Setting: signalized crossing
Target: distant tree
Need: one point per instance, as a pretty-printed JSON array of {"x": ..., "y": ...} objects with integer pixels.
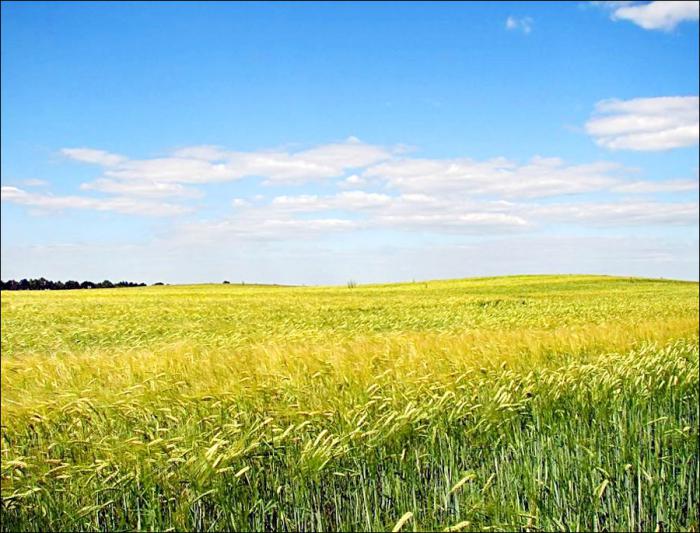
[
  {"x": 159, "y": 283},
  {"x": 43, "y": 284},
  {"x": 352, "y": 284},
  {"x": 227, "y": 282}
]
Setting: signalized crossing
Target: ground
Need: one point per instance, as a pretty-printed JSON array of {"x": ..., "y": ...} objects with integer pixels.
[{"x": 528, "y": 402}]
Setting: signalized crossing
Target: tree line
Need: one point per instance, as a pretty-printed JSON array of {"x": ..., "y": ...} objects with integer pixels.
[{"x": 43, "y": 284}]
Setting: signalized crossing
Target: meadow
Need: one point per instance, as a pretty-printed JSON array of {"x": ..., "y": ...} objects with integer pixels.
[{"x": 531, "y": 403}]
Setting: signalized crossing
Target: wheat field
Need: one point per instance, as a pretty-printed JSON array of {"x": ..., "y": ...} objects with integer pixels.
[{"x": 530, "y": 403}]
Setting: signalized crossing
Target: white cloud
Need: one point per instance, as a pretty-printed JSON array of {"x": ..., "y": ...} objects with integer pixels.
[
  {"x": 35, "y": 183},
  {"x": 203, "y": 152},
  {"x": 447, "y": 213},
  {"x": 252, "y": 224},
  {"x": 240, "y": 202},
  {"x": 619, "y": 214},
  {"x": 348, "y": 200},
  {"x": 172, "y": 169},
  {"x": 644, "y": 187},
  {"x": 96, "y": 157},
  {"x": 164, "y": 176},
  {"x": 209, "y": 164},
  {"x": 302, "y": 202},
  {"x": 288, "y": 218},
  {"x": 464, "y": 223},
  {"x": 352, "y": 182},
  {"x": 142, "y": 188},
  {"x": 523, "y": 24},
  {"x": 376, "y": 197},
  {"x": 540, "y": 177},
  {"x": 377, "y": 167},
  {"x": 46, "y": 202},
  {"x": 665, "y": 15},
  {"x": 376, "y": 188},
  {"x": 646, "y": 124},
  {"x": 406, "y": 211}
]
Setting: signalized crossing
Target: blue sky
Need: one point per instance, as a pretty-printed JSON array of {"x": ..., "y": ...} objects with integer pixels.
[{"x": 316, "y": 143}]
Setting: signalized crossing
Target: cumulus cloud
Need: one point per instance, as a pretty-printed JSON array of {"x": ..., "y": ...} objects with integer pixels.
[
  {"x": 380, "y": 188},
  {"x": 620, "y": 213},
  {"x": 644, "y": 187},
  {"x": 90, "y": 155},
  {"x": 349, "y": 200},
  {"x": 33, "y": 182},
  {"x": 523, "y": 24},
  {"x": 274, "y": 224},
  {"x": 144, "y": 188},
  {"x": 461, "y": 222},
  {"x": 353, "y": 190},
  {"x": 240, "y": 202},
  {"x": 540, "y": 177},
  {"x": 664, "y": 15},
  {"x": 168, "y": 176},
  {"x": 409, "y": 211},
  {"x": 259, "y": 225},
  {"x": 352, "y": 182},
  {"x": 646, "y": 124},
  {"x": 302, "y": 216},
  {"x": 210, "y": 164},
  {"x": 47, "y": 202}
]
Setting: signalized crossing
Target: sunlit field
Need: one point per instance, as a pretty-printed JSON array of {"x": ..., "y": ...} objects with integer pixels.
[{"x": 531, "y": 403}]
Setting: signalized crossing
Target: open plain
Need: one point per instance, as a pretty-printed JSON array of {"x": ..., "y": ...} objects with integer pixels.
[{"x": 528, "y": 402}]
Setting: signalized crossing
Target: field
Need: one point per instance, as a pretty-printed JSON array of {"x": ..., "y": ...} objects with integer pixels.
[{"x": 521, "y": 403}]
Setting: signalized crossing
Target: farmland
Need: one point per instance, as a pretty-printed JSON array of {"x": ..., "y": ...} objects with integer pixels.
[{"x": 529, "y": 402}]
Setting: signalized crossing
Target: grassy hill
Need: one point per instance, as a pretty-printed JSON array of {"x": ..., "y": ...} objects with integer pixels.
[{"x": 534, "y": 402}]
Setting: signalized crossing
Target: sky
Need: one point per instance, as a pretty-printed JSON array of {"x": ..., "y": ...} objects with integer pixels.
[{"x": 317, "y": 143}]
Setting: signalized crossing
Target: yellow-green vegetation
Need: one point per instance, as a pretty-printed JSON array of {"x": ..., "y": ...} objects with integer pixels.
[{"x": 531, "y": 402}]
